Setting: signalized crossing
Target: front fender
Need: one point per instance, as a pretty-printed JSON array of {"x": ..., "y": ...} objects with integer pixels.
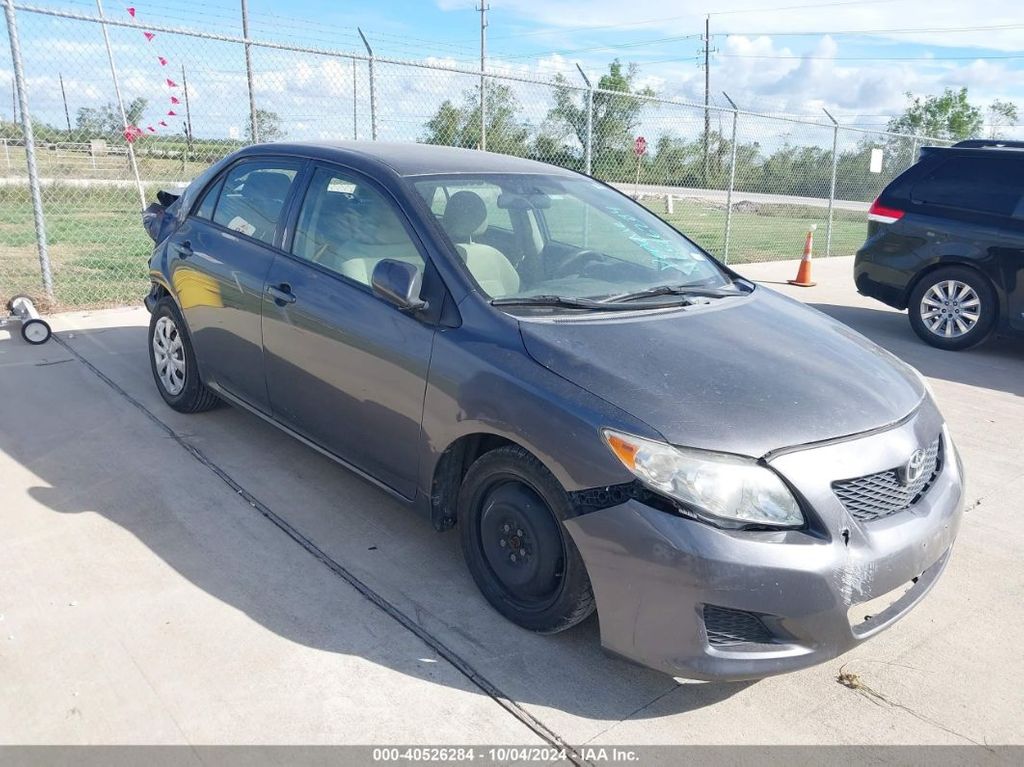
[{"x": 483, "y": 386}]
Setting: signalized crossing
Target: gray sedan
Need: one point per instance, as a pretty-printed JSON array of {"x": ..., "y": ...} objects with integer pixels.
[{"x": 613, "y": 420}]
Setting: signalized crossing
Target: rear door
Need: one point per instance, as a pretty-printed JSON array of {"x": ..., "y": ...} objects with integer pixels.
[
  {"x": 982, "y": 194},
  {"x": 220, "y": 258},
  {"x": 344, "y": 368}
]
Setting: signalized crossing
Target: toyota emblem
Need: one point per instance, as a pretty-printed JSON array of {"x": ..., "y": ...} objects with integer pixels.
[{"x": 914, "y": 468}]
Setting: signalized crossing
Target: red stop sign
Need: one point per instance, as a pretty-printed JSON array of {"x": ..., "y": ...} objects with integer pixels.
[{"x": 640, "y": 146}]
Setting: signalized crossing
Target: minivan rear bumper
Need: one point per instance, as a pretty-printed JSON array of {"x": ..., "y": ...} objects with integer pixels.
[
  {"x": 879, "y": 278},
  {"x": 663, "y": 583}
]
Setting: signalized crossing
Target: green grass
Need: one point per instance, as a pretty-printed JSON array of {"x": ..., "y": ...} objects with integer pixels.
[
  {"x": 764, "y": 232},
  {"x": 99, "y": 250}
]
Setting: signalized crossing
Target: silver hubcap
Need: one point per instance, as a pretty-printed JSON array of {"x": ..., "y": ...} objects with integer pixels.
[
  {"x": 169, "y": 355},
  {"x": 950, "y": 308}
]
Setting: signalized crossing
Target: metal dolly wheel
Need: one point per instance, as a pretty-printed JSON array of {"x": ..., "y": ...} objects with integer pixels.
[{"x": 34, "y": 329}]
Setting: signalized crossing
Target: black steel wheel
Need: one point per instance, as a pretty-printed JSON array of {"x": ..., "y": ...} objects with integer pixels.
[{"x": 526, "y": 565}]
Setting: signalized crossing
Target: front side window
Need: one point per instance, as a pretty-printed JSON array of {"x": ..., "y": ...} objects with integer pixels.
[
  {"x": 347, "y": 226},
  {"x": 252, "y": 198},
  {"x": 540, "y": 235}
]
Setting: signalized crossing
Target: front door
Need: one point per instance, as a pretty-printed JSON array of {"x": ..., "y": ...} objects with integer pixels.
[
  {"x": 219, "y": 261},
  {"x": 344, "y": 368}
]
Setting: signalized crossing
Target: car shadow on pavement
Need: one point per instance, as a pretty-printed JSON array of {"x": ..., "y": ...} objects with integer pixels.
[
  {"x": 99, "y": 453},
  {"x": 997, "y": 364}
]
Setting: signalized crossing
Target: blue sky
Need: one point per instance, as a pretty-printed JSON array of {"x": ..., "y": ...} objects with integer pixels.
[{"x": 772, "y": 55}]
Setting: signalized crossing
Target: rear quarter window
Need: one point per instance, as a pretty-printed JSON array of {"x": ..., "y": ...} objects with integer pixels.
[{"x": 989, "y": 184}]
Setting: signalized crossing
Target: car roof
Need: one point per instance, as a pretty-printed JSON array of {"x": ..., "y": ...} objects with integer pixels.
[
  {"x": 977, "y": 148},
  {"x": 409, "y": 159}
]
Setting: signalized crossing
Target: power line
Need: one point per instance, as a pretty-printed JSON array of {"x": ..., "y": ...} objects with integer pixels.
[
  {"x": 804, "y": 6},
  {"x": 864, "y": 58},
  {"x": 601, "y": 48},
  {"x": 898, "y": 30}
]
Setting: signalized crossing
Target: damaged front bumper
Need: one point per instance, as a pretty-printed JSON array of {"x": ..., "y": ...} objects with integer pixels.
[{"x": 701, "y": 602}]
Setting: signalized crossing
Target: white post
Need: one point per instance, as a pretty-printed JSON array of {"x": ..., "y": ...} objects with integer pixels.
[{"x": 120, "y": 106}]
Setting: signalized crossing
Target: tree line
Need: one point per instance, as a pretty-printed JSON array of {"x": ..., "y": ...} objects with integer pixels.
[{"x": 704, "y": 160}]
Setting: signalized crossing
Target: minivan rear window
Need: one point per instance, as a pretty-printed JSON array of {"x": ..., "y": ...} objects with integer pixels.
[{"x": 983, "y": 184}]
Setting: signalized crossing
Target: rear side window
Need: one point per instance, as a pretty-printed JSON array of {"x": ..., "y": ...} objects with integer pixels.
[
  {"x": 252, "y": 198},
  {"x": 206, "y": 207},
  {"x": 983, "y": 184}
]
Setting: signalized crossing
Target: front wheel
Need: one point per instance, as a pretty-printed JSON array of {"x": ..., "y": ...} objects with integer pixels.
[
  {"x": 953, "y": 308},
  {"x": 511, "y": 510}
]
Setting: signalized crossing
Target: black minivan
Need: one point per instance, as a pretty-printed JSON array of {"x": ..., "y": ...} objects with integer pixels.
[{"x": 946, "y": 241}]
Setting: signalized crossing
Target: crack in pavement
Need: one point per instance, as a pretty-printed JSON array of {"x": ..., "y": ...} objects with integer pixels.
[{"x": 453, "y": 658}]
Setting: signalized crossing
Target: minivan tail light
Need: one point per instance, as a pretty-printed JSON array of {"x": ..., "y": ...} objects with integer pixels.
[{"x": 883, "y": 215}]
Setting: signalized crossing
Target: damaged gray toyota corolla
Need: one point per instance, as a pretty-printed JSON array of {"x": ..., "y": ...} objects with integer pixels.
[{"x": 739, "y": 485}]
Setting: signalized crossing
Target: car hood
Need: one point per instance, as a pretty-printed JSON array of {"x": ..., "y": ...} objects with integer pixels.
[{"x": 742, "y": 375}]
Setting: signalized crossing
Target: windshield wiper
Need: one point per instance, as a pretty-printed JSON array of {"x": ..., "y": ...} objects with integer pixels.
[
  {"x": 574, "y": 303},
  {"x": 675, "y": 290}
]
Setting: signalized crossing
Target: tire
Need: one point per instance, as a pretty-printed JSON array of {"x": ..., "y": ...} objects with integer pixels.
[
  {"x": 509, "y": 502},
  {"x": 36, "y": 332},
  {"x": 943, "y": 302},
  {"x": 181, "y": 389}
]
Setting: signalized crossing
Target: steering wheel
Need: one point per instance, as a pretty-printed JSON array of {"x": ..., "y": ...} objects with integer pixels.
[{"x": 571, "y": 265}]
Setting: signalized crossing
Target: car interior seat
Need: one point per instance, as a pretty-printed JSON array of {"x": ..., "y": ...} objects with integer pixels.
[{"x": 465, "y": 217}]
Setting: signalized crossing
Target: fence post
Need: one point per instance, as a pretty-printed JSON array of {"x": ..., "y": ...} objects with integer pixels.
[
  {"x": 913, "y": 151},
  {"x": 588, "y": 146},
  {"x": 30, "y": 151},
  {"x": 373, "y": 88},
  {"x": 832, "y": 187},
  {"x": 120, "y": 106},
  {"x": 254, "y": 131},
  {"x": 355, "y": 105},
  {"x": 732, "y": 179}
]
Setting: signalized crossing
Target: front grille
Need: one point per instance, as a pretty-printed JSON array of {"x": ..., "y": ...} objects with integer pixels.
[
  {"x": 880, "y": 495},
  {"x": 727, "y": 627}
]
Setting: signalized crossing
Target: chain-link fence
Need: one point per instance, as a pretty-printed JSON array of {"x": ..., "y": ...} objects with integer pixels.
[{"x": 746, "y": 186}]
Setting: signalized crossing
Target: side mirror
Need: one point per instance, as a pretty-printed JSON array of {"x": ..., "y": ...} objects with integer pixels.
[{"x": 398, "y": 283}]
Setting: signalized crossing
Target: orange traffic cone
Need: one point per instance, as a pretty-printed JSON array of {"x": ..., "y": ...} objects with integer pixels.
[{"x": 803, "y": 274}]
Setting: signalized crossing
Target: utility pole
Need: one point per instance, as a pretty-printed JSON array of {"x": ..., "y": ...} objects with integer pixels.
[
  {"x": 707, "y": 96},
  {"x": 253, "y": 126},
  {"x": 484, "y": 7},
  {"x": 63, "y": 95}
]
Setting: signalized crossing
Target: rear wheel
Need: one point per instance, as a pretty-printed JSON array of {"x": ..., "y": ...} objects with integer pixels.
[
  {"x": 953, "y": 308},
  {"x": 174, "y": 363},
  {"x": 511, "y": 510}
]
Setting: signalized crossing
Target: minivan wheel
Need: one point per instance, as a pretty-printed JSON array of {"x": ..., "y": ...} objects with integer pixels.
[
  {"x": 174, "y": 363},
  {"x": 510, "y": 515},
  {"x": 952, "y": 308}
]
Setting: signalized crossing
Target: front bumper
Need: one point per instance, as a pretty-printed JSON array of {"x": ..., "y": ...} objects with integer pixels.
[{"x": 653, "y": 573}]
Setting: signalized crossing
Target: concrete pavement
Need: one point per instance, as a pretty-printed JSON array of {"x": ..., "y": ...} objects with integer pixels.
[{"x": 206, "y": 579}]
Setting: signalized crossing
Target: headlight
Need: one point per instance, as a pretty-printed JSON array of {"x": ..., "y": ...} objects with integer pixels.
[{"x": 726, "y": 490}]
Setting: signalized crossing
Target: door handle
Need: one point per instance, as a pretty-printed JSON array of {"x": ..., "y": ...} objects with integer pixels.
[
  {"x": 282, "y": 294},
  {"x": 184, "y": 249}
]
